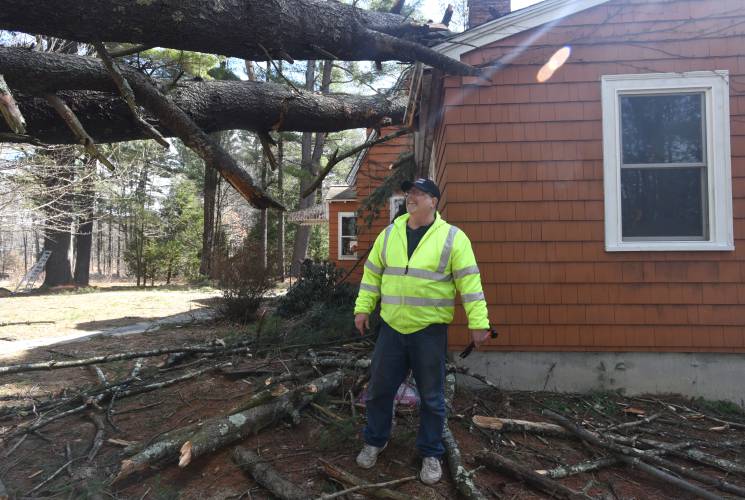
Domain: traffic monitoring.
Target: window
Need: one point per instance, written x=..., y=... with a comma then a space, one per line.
x=396, y=203
x=347, y=236
x=666, y=148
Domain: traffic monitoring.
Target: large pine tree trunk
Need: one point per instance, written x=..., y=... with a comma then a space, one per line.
x=302, y=29
x=280, y=215
x=84, y=236
x=208, y=227
x=311, y=157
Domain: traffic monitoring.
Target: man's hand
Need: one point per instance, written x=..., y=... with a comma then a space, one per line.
x=479, y=337
x=362, y=322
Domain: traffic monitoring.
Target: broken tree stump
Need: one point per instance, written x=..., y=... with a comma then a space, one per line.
x=266, y=475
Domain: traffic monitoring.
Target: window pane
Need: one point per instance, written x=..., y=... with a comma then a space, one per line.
x=662, y=128
x=348, y=246
x=348, y=226
x=663, y=202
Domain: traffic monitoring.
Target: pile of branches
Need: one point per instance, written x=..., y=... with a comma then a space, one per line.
x=657, y=441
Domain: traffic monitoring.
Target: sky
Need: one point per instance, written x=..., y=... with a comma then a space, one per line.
x=433, y=9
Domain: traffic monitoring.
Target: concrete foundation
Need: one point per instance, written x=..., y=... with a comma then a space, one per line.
x=714, y=376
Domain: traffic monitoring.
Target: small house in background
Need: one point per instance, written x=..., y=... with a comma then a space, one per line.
x=599, y=171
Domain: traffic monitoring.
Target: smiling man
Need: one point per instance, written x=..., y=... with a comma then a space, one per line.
x=415, y=268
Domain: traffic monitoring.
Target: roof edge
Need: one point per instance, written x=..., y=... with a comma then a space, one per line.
x=512, y=24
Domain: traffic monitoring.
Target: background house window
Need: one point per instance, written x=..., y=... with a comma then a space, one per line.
x=666, y=162
x=347, y=235
x=396, y=203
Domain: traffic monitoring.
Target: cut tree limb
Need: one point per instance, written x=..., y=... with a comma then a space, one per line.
x=88, y=89
x=217, y=432
x=9, y=109
x=512, y=425
x=266, y=475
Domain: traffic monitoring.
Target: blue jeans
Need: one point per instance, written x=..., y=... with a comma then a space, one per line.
x=424, y=353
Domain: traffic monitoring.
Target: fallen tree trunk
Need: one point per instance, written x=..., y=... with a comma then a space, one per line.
x=87, y=88
x=221, y=431
x=265, y=475
x=255, y=30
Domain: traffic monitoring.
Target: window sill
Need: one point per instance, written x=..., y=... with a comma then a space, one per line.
x=678, y=246
x=348, y=257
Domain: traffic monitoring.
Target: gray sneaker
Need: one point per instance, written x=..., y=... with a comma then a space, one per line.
x=431, y=471
x=369, y=455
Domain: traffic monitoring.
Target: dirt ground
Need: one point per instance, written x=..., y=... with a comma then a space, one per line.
x=296, y=451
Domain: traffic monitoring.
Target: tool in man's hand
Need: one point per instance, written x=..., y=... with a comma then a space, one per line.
x=492, y=334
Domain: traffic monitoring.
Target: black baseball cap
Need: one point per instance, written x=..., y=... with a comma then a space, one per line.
x=421, y=184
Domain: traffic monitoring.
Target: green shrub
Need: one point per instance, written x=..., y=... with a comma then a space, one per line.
x=316, y=284
x=244, y=285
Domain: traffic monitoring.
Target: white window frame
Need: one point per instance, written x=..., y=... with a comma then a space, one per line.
x=392, y=205
x=341, y=216
x=715, y=87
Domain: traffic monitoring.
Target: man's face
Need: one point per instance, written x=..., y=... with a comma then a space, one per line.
x=417, y=201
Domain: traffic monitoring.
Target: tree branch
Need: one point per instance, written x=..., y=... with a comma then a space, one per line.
x=9, y=109
x=127, y=93
x=335, y=160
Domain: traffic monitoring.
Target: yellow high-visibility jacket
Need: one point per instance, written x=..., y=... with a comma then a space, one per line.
x=419, y=292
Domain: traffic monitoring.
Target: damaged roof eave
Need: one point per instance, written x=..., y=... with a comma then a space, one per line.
x=516, y=22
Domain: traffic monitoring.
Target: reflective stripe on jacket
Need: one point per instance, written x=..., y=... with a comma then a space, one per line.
x=420, y=291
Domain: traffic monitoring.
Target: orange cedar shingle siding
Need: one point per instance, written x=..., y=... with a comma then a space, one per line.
x=375, y=167
x=521, y=167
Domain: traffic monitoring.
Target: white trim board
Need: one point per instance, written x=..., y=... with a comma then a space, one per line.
x=512, y=24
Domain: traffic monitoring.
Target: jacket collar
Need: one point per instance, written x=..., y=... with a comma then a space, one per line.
x=400, y=223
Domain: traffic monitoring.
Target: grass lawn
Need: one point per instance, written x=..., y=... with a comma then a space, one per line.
x=62, y=313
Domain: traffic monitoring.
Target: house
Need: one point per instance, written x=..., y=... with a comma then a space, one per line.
x=600, y=174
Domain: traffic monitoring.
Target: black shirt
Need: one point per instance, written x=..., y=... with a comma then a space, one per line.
x=414, y=236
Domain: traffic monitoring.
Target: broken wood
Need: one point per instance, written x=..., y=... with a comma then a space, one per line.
x=346, y=477
x=9, y=109
x=264, y=474
x=217, y=432
x=512, y=425
x=85, y=140
x=98, y=438
x=57, y=364
x=463, y=477
x=569, y=470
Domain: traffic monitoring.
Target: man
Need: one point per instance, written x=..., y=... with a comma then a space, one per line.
x=415, y=268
